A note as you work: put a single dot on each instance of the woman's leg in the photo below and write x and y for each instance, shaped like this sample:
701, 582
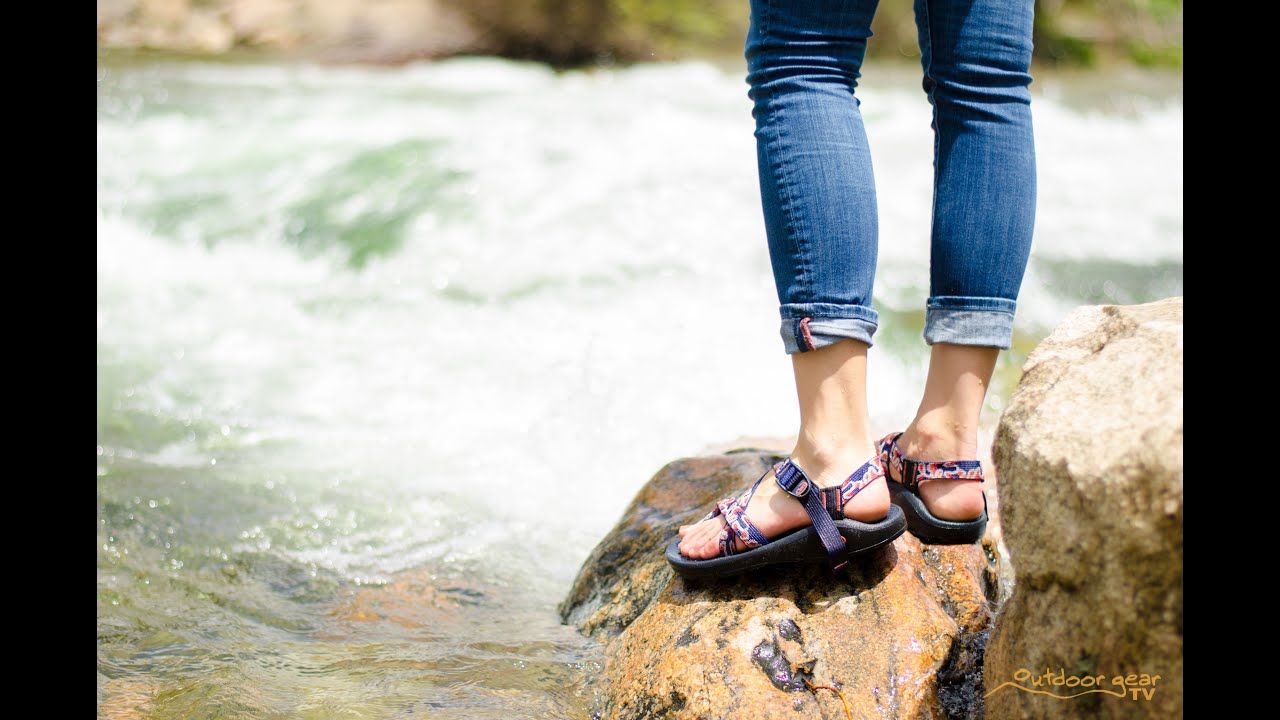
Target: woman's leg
946, 425
976, 56
818, 195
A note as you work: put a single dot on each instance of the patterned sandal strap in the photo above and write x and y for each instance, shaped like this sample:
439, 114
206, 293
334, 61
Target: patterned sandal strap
793, 480
724, 506
913, 472
725, 539
836, 497
735, 520
870, 471
736, 524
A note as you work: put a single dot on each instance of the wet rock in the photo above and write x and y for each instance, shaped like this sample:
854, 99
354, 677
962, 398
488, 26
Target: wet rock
126, 698
1091, 466
411, 599
744, 647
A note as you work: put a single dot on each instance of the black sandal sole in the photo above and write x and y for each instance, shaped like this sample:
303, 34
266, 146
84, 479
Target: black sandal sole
798, 546
934, 530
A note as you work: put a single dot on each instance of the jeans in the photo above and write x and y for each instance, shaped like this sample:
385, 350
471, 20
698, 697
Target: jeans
816, 182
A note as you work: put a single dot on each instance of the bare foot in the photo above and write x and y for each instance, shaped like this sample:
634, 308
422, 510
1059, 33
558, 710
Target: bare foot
946, 499
775, 512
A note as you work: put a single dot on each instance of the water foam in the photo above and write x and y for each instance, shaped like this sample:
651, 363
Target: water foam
585, 296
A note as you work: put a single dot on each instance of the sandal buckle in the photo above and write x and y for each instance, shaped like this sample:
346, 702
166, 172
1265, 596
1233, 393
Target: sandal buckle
791, 479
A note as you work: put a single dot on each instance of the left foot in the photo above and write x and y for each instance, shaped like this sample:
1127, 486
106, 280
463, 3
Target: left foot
959, 500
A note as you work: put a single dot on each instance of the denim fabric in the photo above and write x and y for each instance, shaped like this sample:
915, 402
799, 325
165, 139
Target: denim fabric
804, 58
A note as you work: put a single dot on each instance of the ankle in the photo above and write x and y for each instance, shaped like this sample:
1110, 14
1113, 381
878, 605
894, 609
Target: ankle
829, 464
935, 438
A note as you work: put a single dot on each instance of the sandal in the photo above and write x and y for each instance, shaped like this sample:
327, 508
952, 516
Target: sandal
905, 493
832, 537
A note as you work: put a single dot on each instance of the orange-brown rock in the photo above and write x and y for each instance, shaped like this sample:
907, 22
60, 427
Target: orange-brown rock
901, 635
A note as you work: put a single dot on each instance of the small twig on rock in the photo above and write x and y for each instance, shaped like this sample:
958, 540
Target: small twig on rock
816, 688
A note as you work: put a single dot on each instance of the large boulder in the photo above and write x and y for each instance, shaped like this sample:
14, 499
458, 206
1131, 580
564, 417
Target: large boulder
1090, 459
901, 635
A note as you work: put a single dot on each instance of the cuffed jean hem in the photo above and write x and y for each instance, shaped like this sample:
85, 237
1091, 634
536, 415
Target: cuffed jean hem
810, 326
980, 321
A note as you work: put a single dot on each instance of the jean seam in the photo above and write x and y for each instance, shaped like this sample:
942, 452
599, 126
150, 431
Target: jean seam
932, 303
949, 310
817, 313
937, 127
794, 220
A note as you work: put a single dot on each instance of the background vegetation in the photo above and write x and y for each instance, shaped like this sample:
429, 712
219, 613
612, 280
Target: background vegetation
1084, 33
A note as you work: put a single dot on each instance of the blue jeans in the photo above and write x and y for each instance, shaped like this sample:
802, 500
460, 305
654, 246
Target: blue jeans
816, 184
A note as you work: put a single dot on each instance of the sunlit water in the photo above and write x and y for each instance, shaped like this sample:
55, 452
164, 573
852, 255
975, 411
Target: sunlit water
382, 353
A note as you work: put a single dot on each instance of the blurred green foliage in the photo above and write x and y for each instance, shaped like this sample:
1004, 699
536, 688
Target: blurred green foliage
575, 32
1067, 32
679, 25
1090, 32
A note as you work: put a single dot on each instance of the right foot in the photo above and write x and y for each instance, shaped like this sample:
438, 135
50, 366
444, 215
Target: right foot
775, 512
959, 500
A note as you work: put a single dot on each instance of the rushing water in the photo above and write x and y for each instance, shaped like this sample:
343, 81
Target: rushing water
382, 353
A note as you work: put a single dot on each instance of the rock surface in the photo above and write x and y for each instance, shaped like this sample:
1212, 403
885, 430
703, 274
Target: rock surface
901, 635
348, 30
1091, 466
557, 31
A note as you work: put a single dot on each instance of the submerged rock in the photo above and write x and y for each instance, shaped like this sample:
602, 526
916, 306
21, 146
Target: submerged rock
901, 635
126, 698
412, 599
1091, 466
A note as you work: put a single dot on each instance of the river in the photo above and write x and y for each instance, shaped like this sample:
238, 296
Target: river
383, 352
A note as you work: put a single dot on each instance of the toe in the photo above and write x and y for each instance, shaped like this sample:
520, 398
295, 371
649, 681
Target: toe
708, 547
688, 539
698, 535
700, 542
